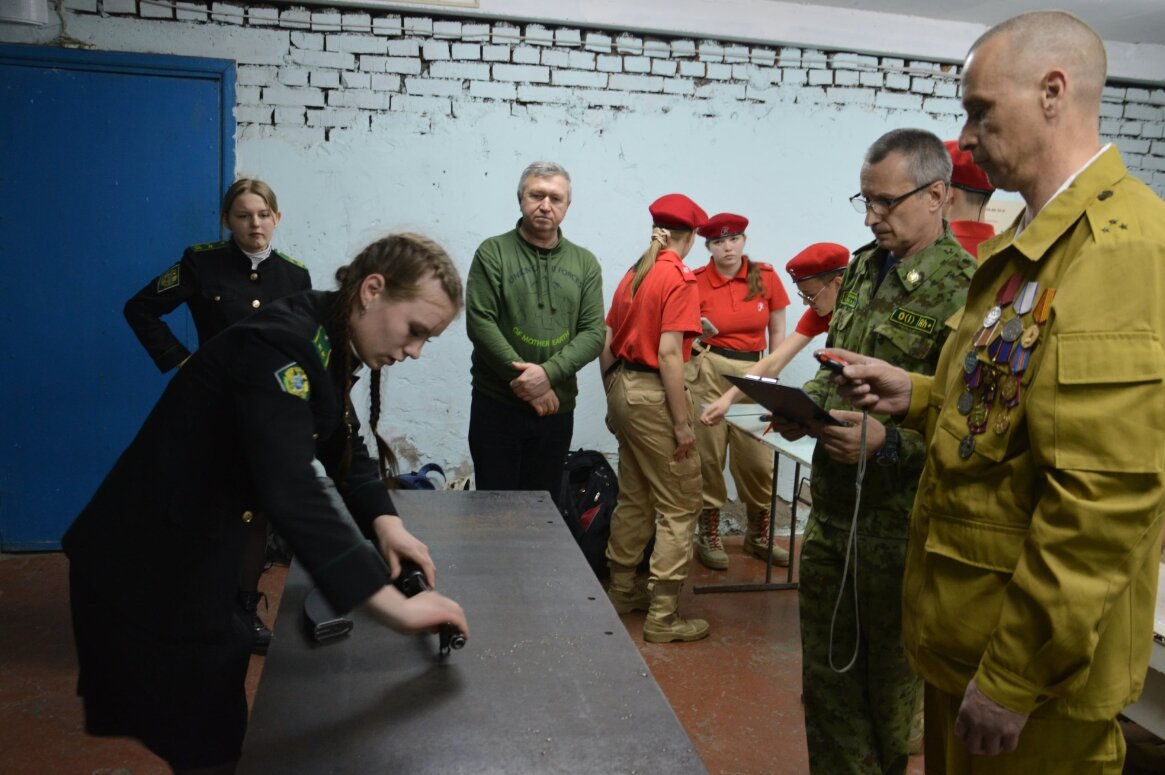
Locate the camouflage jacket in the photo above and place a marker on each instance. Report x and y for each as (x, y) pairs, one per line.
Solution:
(902, 321)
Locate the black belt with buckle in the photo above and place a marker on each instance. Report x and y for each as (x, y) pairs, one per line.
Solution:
(736, 355)
(630, 366)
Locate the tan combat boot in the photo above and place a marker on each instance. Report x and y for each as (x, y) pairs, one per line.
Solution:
(625, 595)
(709, 547)
(664, 624)
(756, 539)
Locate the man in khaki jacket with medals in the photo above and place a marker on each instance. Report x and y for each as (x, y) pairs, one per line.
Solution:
(1029, 590)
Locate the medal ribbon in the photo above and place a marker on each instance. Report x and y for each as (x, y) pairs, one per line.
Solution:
(1027, 297)
(1044, 305)
(1007, 292)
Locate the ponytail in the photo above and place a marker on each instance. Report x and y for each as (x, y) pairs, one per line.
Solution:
(755, 286)
(660, 239)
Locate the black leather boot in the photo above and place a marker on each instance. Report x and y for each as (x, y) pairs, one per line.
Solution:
(249, 611)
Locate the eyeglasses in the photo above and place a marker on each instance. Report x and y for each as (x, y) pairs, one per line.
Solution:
(882, 207)
(810, 299)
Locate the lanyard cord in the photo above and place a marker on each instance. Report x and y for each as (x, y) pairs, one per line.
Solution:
(851, 549)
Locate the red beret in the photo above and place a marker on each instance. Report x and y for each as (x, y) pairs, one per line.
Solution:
(723, 225)
(676, 211)
(818, 258)
(965, 173)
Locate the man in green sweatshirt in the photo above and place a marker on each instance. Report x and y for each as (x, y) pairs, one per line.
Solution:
(534, 312)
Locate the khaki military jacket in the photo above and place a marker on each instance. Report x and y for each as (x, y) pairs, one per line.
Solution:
(901, 321)
(1034, 550)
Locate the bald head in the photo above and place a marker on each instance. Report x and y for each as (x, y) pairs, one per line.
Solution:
(1043, 40)
(1031, 89)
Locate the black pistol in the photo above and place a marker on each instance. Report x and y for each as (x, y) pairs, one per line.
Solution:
(411, 581)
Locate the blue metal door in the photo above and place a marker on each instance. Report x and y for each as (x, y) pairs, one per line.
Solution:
(109, 165)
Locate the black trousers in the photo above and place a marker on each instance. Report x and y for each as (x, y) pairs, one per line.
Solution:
(515, 449)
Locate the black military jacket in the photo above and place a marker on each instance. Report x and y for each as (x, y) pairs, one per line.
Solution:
(235, 432)
(218, 284)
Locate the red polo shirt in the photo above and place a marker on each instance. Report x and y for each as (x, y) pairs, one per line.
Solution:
(971, 233)
(811, 324)
(667, 300)
(742, 323)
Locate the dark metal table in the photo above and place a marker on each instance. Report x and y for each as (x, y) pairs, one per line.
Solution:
(549, 682)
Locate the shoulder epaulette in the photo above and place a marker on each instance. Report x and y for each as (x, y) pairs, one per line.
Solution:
(762, 266)
(288, 259)
(202, 246)
(700, 269)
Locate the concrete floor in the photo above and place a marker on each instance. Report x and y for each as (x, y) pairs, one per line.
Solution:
(737, 693)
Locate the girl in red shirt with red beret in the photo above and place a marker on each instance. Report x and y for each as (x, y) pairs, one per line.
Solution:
(817, 272)
(745, 303)
(653, 320)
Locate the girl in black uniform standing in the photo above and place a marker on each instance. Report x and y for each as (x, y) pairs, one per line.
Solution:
(222, 283)
(235, 432)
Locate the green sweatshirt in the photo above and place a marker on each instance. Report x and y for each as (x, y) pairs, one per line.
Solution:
(525, 303)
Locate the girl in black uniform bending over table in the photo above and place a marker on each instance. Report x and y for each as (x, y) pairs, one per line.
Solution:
(222, 283)
(236, 431)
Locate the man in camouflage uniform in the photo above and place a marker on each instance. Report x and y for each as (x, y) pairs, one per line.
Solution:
(893, 303)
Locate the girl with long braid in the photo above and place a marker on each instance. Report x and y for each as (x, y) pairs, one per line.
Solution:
(653, 320)
(236, 431)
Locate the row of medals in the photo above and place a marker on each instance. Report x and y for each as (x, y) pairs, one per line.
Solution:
(993, 368)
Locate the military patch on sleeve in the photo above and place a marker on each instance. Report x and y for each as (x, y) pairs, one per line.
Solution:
(323, 346)
(293, 379)
(915, 321)
(168, 279)
(289, 259)
(848, 299)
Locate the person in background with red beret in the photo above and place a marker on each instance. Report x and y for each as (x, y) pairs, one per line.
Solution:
(653, 320)
(816, 271)
(743, 307)
(966, 200)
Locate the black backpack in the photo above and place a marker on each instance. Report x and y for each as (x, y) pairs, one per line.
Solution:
(586, 499)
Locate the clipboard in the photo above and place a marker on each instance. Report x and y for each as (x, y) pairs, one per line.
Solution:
(789, 403)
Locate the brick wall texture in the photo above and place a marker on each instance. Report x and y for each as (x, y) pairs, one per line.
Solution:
(314, 70)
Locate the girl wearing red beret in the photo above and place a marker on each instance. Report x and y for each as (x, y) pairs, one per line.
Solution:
(817, 272)
(745, 303)
(653, 320)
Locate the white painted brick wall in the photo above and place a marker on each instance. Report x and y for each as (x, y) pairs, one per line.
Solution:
(307, 40)
(356, 44)
(309, 72)
(534, 74)
(609, 64)
(435, 49)
(476, 33)
(584, 79)
(469, 70)
(292, 95)
(356, 22)
(492, 90)
(386, 25)
(495, 53)
(151, 11)
(434, 87)
(466, 51)
(526, 55)
(326, 79)
(192, 12)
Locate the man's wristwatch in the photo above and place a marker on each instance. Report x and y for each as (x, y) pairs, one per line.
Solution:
(888, 454)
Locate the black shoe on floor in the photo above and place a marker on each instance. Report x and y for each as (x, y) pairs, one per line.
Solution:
(249, 612)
